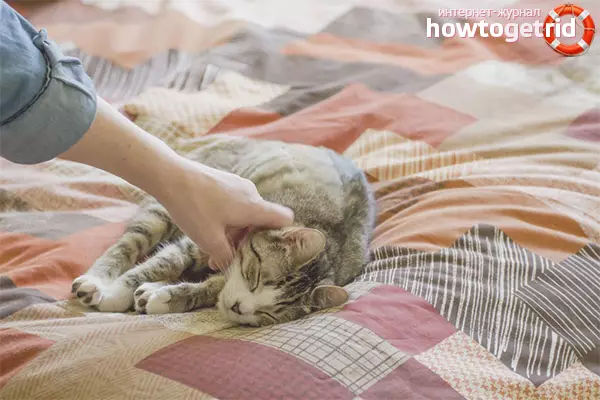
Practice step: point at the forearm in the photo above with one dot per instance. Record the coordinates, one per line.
(118, 146)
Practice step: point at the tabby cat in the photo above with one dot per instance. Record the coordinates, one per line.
(277, 275)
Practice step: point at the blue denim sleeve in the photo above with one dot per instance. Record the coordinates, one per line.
(47, 101)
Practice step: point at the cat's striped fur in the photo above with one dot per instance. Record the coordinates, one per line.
(277, 275)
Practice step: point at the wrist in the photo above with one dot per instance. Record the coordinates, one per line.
(174, 175)
(159, 174)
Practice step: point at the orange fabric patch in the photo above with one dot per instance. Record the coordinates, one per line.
(50, 266)
(245, 118)
(338, 121)
(399, 194)
(440, 217)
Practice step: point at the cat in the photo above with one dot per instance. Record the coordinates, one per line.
(277, 275)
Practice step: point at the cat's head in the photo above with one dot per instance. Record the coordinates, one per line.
(274, 278)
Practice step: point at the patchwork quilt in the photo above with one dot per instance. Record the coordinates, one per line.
(484, 156)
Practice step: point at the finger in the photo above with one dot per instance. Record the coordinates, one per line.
(216, 264)
(237, 235)
(271, 215)
(213, 265)
(218, 249)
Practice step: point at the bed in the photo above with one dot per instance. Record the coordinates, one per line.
(485, 161)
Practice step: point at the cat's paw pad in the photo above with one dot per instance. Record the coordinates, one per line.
(158, 302)
(152, 298)
(91, 291)
(87, 290)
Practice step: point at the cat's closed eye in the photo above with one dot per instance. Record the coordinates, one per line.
(257, 283)
(253, 249)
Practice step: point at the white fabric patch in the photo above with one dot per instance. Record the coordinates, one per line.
(575, 82)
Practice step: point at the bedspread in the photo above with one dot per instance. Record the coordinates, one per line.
(484, 156)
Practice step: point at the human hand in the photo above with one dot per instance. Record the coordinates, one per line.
(215, 208)
(212, 207)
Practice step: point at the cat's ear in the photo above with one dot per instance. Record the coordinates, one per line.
(328, 296)
(304, 244)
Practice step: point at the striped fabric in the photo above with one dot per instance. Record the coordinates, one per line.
(476, 284)
(566, 298)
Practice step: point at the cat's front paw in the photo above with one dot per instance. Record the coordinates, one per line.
(152, 298)
(87, 290)
(92, 291)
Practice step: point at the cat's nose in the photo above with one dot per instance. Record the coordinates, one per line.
(236, 308)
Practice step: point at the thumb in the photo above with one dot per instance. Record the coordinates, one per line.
(218, 249)
(271, 215)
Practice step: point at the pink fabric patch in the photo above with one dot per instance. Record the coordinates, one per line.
(235, 369)
(406, 321)
(586, 126)
(17, 350)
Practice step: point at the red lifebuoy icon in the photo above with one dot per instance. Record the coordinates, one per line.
(589, 30)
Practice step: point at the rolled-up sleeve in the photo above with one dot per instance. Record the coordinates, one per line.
(47, 101)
